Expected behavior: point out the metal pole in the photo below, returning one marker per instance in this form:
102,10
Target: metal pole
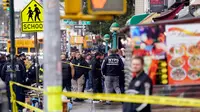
106,50
80,34
52,62
69,46
36,57
114,45
12,38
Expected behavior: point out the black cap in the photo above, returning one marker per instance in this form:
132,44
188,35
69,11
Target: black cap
98,54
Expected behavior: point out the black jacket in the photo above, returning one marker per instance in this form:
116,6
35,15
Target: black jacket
19,69
79,71
23,63
96,66
20,78
66,70
31,74
139,85
112,65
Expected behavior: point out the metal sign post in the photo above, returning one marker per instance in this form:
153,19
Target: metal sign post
36,57
52,62
12,39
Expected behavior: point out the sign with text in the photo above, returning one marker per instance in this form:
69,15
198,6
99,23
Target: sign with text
70,22
32,17
157,5
79,27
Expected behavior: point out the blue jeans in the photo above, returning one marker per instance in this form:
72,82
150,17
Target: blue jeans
89,81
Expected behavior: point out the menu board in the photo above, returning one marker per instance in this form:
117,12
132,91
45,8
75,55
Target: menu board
183,44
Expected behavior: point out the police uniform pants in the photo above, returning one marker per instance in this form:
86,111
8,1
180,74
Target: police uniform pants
97,85
67,84
112,82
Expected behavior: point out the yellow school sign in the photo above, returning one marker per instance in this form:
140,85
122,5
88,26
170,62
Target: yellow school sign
32,17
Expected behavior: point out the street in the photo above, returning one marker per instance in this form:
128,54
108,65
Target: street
117,107
99,107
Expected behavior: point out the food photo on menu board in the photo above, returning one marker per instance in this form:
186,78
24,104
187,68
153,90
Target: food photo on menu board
183,44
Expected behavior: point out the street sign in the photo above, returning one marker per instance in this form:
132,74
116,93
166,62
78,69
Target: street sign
70,22
102,7
79,27
32,17
157,5
86,23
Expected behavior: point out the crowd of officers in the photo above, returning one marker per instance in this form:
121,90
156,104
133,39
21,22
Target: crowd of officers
84,72
94,72
25,73
106,75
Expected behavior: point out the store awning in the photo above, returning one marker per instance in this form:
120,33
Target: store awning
170,15
136,19
149,18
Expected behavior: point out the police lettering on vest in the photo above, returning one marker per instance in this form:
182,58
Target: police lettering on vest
113,61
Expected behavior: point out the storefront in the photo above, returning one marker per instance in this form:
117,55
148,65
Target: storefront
171,58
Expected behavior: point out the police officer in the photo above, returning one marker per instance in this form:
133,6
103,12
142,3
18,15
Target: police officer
140,84
22,58
31,74
96,74
111,68
67,73
20,78
78,80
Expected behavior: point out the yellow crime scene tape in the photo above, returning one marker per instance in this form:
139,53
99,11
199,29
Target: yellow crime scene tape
27,87
29,106
158,100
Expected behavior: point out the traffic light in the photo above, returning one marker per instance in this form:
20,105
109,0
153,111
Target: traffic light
5,4
162,75
73,6
73,11
107,7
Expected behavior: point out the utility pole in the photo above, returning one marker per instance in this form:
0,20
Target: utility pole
12,38
52,62
80,34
